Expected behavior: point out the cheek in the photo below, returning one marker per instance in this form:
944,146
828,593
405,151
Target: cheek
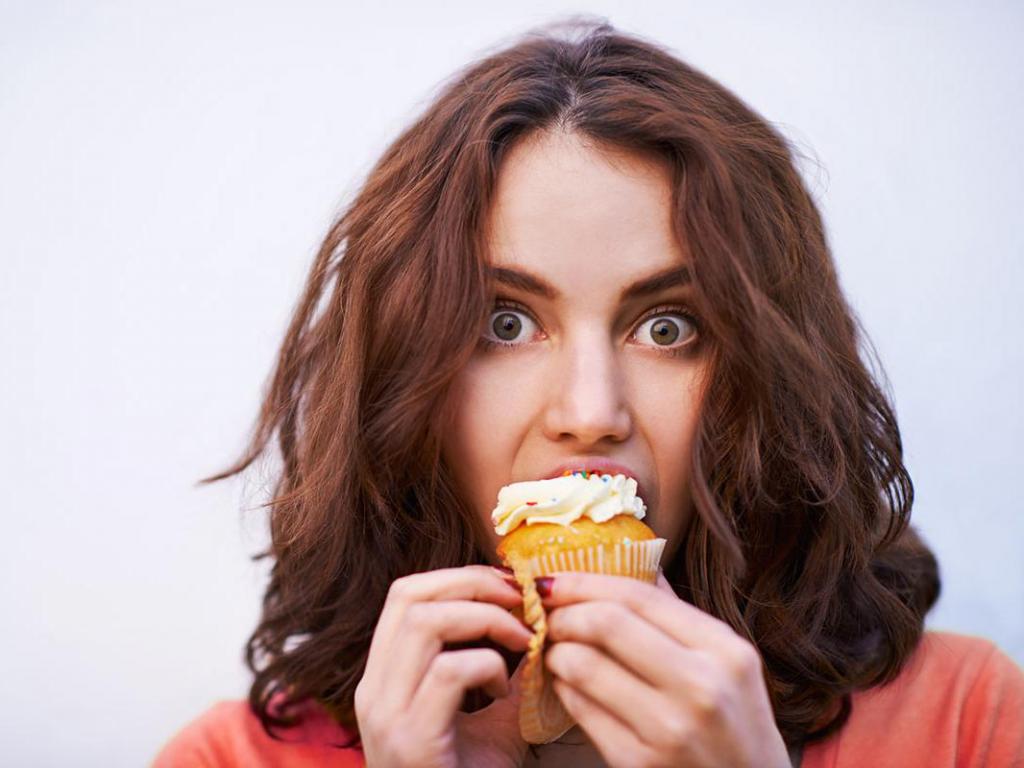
490,415
668,406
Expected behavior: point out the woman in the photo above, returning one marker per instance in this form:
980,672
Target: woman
586,254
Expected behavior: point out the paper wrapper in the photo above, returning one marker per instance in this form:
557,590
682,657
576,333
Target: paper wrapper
542,718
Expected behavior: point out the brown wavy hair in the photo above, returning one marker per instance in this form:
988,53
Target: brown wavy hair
801,539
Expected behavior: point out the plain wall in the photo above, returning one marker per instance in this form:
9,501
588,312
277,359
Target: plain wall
167,172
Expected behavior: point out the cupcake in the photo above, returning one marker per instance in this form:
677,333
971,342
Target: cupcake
578,522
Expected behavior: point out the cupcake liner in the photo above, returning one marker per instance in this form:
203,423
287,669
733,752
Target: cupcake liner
637,559
542,718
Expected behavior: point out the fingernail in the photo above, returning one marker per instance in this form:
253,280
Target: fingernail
544,584
503,568
509,579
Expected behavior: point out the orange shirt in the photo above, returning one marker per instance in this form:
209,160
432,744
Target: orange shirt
958,703
229,735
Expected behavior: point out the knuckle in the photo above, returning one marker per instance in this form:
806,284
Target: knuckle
708,700
418,619
399,589
744,662
676,730
648,599
492,663
606,618
567,660
446,670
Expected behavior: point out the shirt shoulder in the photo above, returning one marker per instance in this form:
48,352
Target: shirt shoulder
230,735
957,703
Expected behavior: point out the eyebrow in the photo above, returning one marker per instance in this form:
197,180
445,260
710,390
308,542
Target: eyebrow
530,283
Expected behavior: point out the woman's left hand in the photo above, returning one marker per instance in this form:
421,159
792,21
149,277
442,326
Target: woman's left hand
654,681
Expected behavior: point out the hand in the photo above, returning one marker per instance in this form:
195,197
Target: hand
408,699
654,681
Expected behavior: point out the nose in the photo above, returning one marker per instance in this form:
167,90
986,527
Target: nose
587,402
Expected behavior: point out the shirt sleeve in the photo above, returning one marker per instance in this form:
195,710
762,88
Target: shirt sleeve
992,721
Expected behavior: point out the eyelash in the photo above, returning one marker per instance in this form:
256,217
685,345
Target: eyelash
665,309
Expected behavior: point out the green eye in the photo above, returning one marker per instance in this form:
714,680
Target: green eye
664,332
669,330
665,329
507,326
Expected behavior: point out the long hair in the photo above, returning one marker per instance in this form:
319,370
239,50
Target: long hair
800,538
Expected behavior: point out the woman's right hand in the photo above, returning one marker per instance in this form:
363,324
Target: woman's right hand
407,702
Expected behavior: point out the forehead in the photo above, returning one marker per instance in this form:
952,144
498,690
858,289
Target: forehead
562,204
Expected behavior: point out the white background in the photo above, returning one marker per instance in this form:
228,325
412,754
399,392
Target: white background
167,172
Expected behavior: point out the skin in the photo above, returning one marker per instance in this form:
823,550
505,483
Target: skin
586,377
650,679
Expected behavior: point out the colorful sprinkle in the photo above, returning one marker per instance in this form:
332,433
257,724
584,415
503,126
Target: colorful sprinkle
531,503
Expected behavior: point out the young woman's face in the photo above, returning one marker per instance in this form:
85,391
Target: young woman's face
588,360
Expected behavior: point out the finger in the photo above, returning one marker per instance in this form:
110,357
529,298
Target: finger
503,712
428,626
613,739
607,683
663,585
481,583
677,618
450,675
472,582
515,683
632,641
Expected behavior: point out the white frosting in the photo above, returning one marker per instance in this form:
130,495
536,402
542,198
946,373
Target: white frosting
565,499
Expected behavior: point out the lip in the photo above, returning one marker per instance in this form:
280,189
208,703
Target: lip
600,466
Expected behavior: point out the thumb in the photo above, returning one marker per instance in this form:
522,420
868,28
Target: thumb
495,728
502,714
510,701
